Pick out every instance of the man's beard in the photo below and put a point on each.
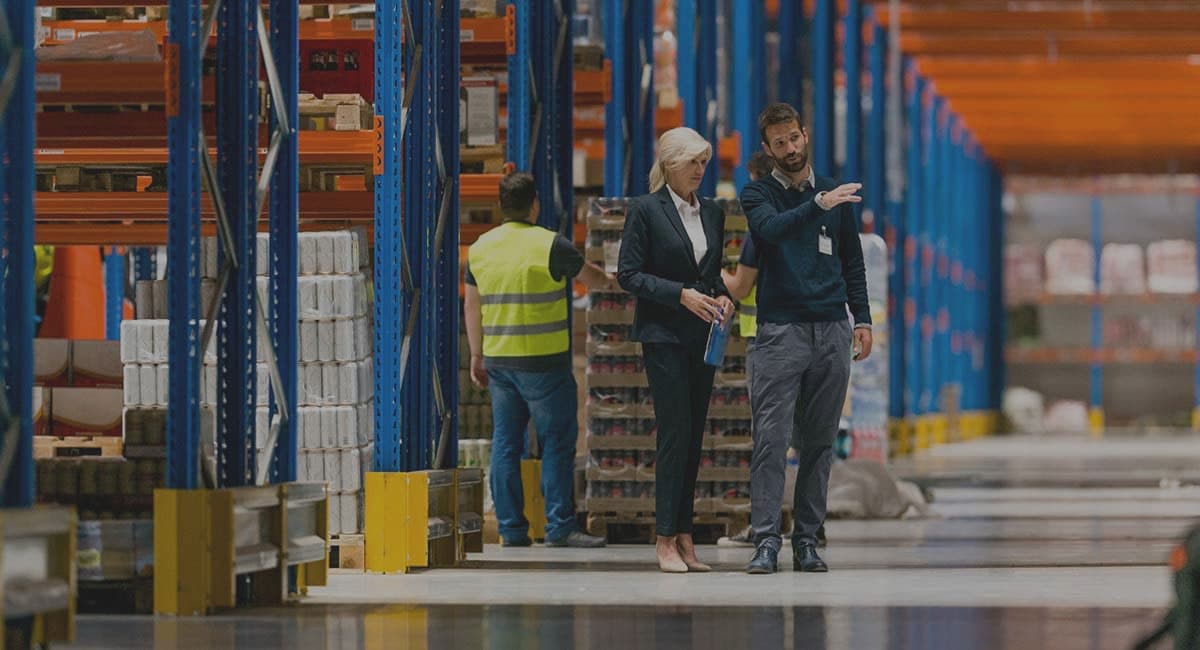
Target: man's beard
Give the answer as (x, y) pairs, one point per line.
(798, 165)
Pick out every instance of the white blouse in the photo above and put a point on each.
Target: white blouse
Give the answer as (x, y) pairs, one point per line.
(690, 215)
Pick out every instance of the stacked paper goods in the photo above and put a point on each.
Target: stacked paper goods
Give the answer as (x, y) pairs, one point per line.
(335, 373)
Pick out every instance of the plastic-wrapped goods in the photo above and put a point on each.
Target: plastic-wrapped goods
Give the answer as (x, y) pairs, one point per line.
(1122, 269)
(1022, 274)
(1069, 267)
(875, 260)
(1025, 409)
(1171, 267)
(1067, 416)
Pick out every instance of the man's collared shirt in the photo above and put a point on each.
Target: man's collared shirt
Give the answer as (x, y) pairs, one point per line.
(810, 183)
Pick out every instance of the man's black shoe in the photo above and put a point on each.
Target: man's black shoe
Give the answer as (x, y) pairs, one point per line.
(805, 558)
(765, 560)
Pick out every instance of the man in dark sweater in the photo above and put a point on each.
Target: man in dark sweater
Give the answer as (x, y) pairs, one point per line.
(810, 269)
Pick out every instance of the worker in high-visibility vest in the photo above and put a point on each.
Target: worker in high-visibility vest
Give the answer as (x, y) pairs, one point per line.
(516, 312)
(43, 266)
(741, 284)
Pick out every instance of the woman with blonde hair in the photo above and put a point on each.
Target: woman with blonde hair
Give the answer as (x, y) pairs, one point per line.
(671, 254)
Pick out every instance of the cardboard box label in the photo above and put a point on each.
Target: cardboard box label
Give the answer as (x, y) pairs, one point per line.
(48, 82)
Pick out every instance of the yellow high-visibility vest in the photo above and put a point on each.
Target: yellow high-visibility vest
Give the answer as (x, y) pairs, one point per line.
(524, 307)
(748, 314)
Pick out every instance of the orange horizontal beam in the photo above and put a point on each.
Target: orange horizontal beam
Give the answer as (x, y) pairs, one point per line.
(1119, 108)
(993, 18)
(138, 3)
(1043, 5)
(1105, 355)
(980, 67)
(152, 206)
(331, 147)
(974, 44)
(1066, 88)
(141, 233)
(1075, 169)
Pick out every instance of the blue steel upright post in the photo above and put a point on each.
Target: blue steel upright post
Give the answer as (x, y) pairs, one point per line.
(520, 60)
(16, 265)
(749, 90)
(629, 134)
(928, 311)
(1196, 408)
(145, 267)
(996, 323)
(237, 169)
(793, 54)
(697, 30)
(853, 64)
(114, 292)
(419, 142)
(284, 226)
(886, 222)
(183, 243)
(552, 154)
(443, 311)
(914, 207)
(429, 227)
(1096, 367)
(822, 128)
(390, 118)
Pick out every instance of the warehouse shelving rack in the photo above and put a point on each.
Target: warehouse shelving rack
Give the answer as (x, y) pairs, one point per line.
(46, 602)
(1095, 356)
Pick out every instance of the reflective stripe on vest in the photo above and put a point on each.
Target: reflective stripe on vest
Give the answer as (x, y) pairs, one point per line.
(524, 307)
(748, 315)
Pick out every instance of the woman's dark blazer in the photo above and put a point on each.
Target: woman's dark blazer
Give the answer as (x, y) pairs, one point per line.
(656, 263)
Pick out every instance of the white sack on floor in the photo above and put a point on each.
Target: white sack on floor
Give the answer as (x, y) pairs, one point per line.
(866, 489)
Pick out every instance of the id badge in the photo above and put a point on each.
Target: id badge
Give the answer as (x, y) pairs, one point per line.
(824, 243)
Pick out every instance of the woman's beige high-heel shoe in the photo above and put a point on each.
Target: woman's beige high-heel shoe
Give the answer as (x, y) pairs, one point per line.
(668, 556)
(687, 551)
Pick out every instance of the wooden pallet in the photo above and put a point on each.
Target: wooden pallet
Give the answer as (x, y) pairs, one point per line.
(77, 446)
(625, 528)
(348, 552)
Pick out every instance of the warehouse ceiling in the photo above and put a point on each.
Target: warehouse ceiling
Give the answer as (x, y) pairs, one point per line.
(1065, 87)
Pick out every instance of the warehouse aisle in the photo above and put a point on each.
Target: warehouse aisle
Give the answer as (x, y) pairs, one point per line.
(1040, 543)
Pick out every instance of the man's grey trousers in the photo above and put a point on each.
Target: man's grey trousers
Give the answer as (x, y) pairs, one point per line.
(805, 365)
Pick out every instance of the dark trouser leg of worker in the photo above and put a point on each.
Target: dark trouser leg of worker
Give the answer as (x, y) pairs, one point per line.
(510, 416)
(781, 355)
(677, 376)
(822, 397)
(553, 402)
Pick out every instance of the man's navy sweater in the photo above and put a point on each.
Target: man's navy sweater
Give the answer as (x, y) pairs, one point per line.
(796, 282)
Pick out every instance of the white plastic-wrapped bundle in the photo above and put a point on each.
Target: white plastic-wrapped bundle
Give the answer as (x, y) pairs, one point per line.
(1069, 267)
(1171, 267)
(1022, 273)
(1067, 416)
(1122, 269)
(1025, 409)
